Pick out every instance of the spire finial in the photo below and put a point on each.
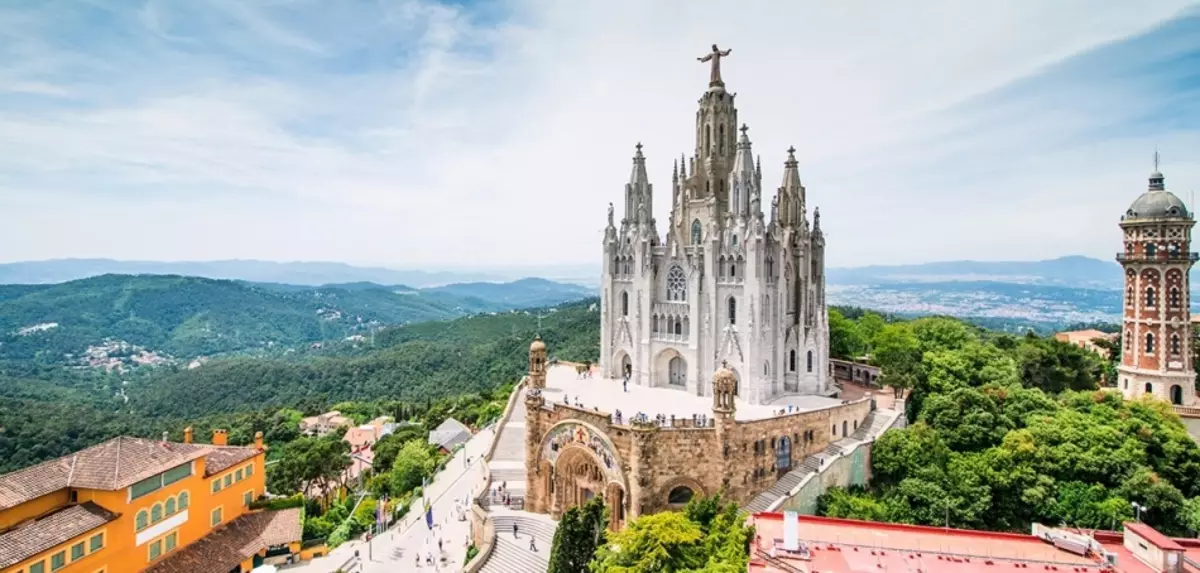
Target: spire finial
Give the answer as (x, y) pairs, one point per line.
(791, 151)
(638, 147)
(1156, 158)
(744, 129)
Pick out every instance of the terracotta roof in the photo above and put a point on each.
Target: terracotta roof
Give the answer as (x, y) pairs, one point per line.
(1153, 536)
(48, 531)
(112, 465)
(221, 458)
(223, 549)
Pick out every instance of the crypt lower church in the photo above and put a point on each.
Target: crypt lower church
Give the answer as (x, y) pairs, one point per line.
(726, 284)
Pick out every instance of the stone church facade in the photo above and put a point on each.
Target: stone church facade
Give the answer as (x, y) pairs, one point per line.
(726, 284)
(1156, 335)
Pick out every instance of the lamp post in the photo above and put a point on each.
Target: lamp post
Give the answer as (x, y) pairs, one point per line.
(1138, 509)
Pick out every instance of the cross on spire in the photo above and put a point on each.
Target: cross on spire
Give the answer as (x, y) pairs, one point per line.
(744, 128)
(791, 150)
(638, 146)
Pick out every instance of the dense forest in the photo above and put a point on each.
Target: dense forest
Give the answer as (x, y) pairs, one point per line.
(186, 317)
(1010, 430)
(50, 411)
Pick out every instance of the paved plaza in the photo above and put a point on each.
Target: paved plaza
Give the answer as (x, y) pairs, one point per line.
(608, 396)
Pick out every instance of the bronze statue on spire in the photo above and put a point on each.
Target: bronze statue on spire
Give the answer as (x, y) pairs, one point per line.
(715, 56)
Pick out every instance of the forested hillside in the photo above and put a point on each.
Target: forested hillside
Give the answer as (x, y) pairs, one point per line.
(1011, 430)
(49, 411)
(185, 317)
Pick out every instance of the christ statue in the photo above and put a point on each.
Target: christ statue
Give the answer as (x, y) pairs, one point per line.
(716, 55)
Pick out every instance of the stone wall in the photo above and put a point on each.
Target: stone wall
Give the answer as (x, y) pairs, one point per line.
(852, 468)
(737, 456)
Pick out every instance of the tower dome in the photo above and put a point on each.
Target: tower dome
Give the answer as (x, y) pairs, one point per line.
(1157, 202)
(538, 345)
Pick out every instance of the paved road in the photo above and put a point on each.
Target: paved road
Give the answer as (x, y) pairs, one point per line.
(396, 550)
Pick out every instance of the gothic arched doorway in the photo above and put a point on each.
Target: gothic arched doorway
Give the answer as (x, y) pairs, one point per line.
(1177, 395)
(622, 365)
(677, 372)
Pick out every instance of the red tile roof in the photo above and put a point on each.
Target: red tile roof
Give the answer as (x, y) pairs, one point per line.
(1153, 536)
(50, 530)
(240, 539)
(112, 465)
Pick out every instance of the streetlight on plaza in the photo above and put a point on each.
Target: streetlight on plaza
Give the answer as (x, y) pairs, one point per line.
(1138, 509)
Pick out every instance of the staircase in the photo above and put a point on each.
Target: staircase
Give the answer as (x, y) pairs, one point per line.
(512, 555)
(508, 460)
(870, 428)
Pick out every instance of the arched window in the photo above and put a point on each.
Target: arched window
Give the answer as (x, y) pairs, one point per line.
(678, 327)
(680, 495)
(721, 138)
(1149, 388)
(183, 501)
(734, 240)
(732, 311)
(833, 430)
(732, 272)
(1151, 250)
(156, 513)
(1174, 297)
(1175, 344)
(1128, 340)
(1126, 383)
(624, 304)
(142, 521)
(1129, 296)
(696, 232)
(792, 361)
(707, 138)
(810, 361)
(676, 284)
(1150, 299)
(844, 434)
(170, 506)
(766, 368)
(1149, 343)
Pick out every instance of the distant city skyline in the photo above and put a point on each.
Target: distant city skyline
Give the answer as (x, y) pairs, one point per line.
(457, 135)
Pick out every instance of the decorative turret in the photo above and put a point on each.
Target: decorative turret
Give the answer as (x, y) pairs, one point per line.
(537, 363)
(742, 178)
(639, 201)
(789, 201)
(724, 389)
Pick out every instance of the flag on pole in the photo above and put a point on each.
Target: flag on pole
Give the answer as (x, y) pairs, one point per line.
(428, 514)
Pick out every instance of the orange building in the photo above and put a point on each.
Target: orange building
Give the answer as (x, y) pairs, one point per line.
(132, 504)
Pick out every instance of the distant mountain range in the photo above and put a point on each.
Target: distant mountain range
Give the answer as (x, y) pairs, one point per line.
(103, 318)
(1046, 294)
(292, 273)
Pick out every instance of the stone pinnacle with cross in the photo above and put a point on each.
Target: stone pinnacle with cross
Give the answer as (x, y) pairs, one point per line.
(714, 78)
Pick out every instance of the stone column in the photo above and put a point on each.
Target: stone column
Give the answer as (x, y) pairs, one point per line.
(641, 453)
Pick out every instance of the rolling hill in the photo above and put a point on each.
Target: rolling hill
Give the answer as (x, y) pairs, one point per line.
(187, 317)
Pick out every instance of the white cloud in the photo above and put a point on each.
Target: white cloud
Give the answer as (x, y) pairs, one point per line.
(417, 134)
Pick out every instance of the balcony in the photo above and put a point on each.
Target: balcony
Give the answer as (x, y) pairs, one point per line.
(1159, 258)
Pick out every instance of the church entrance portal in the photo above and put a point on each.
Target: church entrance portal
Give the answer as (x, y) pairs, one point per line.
(577, 478)
(677, 372)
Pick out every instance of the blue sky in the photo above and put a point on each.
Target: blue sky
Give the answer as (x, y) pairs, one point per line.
(426, 134)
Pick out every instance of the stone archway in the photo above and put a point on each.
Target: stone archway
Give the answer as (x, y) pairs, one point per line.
(622, 366)
(678, 492)
(670, 369)
(580, 463)
(1177, 395)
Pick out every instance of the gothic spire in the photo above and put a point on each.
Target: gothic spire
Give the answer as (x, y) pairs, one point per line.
(638, 175)
(742, 178)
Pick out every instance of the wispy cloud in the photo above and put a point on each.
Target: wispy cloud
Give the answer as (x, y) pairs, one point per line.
(424, 133)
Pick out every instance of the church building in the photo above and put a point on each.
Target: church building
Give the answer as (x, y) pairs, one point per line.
(726, 284)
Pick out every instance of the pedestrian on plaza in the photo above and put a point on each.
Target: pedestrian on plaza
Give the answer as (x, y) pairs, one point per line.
(514, 531)
(532, 546)
(439, 544)
(417, 557)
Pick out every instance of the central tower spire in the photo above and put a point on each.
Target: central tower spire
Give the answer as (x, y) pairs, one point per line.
(716, 133)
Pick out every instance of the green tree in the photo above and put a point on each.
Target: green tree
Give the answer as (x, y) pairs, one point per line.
(664, 542)
(316, 461)
(580, 531)
(414, 462)
(898, 355)
(845, 337)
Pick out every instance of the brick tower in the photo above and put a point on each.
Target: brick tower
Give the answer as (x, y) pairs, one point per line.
(1156, 341)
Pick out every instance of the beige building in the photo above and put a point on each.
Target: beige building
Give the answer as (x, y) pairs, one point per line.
(1086, 339)
(323, 424)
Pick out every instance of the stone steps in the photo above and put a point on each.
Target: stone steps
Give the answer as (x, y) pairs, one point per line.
(511, 555)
